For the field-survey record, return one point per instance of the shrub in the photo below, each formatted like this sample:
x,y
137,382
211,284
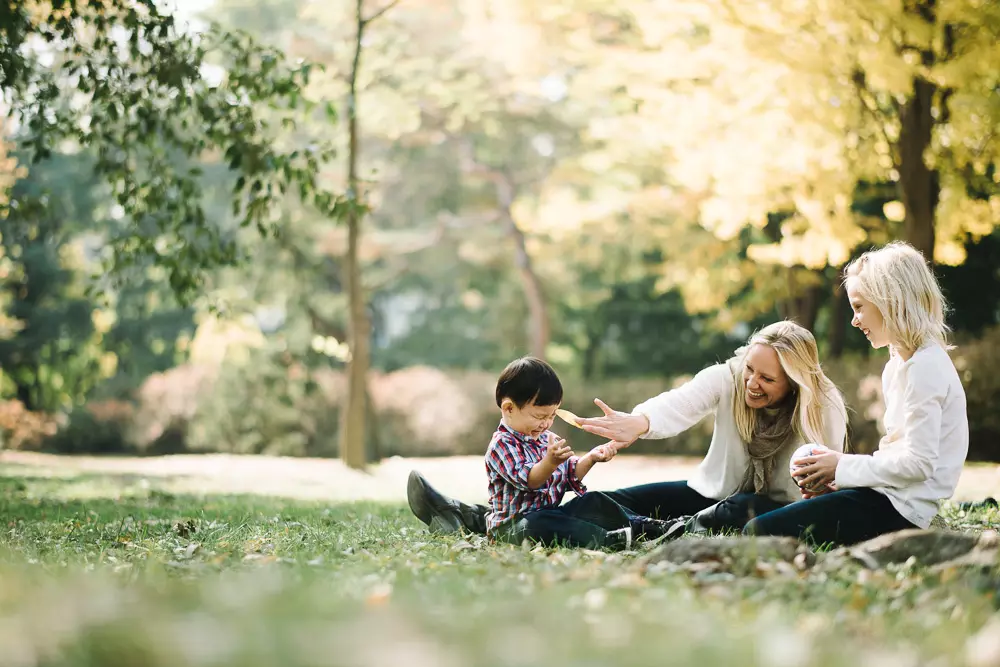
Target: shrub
x,y
22,429
96,428
267,405
978,364
167,405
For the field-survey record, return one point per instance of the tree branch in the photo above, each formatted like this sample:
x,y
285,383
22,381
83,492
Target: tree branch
x,y
379,13
861,86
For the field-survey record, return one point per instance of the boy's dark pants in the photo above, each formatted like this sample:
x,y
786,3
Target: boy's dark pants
x,y
584,521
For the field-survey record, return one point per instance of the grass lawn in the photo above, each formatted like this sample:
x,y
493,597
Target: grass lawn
x,y
119,574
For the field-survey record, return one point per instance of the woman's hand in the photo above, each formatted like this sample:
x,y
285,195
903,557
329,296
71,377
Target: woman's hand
x,y
817,473
614,425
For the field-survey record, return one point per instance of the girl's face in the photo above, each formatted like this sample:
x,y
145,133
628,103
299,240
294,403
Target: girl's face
x,y
765,379
867,316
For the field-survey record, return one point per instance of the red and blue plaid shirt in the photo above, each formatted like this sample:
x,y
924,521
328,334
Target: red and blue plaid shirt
x,y
509,459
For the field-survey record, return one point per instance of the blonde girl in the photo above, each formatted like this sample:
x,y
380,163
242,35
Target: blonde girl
x,y
898,304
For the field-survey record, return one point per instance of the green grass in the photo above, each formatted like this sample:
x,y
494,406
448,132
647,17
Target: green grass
x,y
99,570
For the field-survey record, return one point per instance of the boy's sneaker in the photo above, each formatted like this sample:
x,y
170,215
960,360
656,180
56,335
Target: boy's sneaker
x,y
620,540
437,511
651,529
441,513
675,529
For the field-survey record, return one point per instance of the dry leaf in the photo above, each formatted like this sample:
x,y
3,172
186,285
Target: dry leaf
x,y
379,595
185,528
568,417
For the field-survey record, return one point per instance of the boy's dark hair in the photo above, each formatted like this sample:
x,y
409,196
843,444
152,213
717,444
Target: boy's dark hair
x,y
529,380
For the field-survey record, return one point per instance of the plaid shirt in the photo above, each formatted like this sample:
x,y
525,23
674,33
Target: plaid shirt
x,y
509,459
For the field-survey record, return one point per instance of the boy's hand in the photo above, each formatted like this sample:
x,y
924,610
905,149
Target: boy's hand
x,y
603,453
557,451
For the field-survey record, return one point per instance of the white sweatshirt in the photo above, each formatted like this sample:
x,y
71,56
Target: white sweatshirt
x,y
919,461
723,468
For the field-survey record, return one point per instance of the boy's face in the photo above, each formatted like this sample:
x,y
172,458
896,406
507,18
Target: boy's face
x,y
531,420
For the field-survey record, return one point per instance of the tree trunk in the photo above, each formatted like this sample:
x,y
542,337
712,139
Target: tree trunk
x,y
919,188
538,319
590,356
352,423
374,450
839,318
804,307
538,312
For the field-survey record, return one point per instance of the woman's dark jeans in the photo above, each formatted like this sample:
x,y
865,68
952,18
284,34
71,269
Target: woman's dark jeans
x,y
675,500
586,521
842,517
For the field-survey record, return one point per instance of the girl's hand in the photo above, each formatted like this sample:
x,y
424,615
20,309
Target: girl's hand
x,y
614,425
830,488
817,473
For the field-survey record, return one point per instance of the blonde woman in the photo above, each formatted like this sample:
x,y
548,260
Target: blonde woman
x,y
771,397
898,304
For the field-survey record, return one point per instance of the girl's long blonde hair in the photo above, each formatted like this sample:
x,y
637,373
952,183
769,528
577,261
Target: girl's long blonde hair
x,y
897,280
814,391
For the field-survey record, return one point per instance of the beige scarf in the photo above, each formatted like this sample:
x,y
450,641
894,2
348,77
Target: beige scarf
x,y
774,430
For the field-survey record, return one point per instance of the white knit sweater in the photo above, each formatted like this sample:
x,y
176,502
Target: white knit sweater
x,y
722,470
919,461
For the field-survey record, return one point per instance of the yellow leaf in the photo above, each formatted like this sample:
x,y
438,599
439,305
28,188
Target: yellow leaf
x,y
568,417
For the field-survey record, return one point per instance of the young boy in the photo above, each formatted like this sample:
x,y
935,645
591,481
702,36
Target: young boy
x,y
530,469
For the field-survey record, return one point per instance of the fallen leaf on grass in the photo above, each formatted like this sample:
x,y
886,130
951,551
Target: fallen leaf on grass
x,y
628,580
258,545
185,527
379,595
260,558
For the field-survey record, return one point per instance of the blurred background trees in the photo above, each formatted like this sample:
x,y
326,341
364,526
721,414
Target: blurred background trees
x,y
627,189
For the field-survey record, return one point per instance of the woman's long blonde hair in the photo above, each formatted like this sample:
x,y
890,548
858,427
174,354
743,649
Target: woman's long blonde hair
x,y
814,392
897,280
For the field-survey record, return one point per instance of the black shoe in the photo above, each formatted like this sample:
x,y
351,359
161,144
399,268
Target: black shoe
x,y
653,529
648,529
442,515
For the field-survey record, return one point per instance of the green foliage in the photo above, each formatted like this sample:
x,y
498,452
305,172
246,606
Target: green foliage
x,y
269,405
70,342
55,360
144,107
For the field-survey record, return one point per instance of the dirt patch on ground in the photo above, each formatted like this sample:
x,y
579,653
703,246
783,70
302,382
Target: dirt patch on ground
x,y
327,479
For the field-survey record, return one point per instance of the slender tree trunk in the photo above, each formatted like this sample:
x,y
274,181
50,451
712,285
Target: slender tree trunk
x,y
538,312
839,318
352,423
919,188
803,308
538,320
590,356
